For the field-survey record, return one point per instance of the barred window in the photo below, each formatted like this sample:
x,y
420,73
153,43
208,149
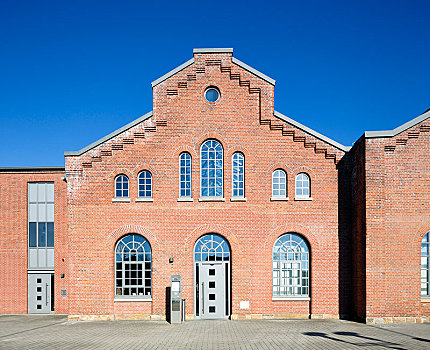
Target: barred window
x,y
290,266
145,184
211,169
303,186
121,186
133,270
425,265
238,175
185,175
279,184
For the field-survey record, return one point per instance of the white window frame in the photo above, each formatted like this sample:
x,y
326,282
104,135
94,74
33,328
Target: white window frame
x,y
278,196
299,186
190,181
209,197
240,171
122,186
144,179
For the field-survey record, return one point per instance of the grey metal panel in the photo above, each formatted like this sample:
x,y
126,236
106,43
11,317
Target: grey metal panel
x,y
111,135
41,192
172,72
50,257
32,257
213,296
312,132
214,50
41,212
32,192
50,212
41,252
253,71
50,192
32,212
399,129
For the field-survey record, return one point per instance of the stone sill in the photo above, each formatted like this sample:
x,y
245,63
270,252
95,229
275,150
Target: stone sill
x,y
144,199
238,199
279,199
121,300
211,199
118,199
425,300
291,298
303,199
185,199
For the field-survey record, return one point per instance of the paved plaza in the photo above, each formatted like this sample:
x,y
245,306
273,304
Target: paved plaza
x,y
55,332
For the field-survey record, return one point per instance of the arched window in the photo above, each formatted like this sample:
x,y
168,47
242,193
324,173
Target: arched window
x,y
133,270
279,184
211,247
290,266
303,186
145,184
211,169
185,175
425,265
121,186
238,167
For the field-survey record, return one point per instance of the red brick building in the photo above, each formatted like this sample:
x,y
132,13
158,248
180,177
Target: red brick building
x,y
262,217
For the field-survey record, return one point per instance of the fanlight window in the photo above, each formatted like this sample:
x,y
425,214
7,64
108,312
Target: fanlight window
x,y
238,175
211,169
425,266
185,175
145,184
211,247
303,187
279,184
290,266
121,186
133,270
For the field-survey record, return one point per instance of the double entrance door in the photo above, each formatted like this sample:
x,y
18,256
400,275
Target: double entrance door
x,y
40,293
213,290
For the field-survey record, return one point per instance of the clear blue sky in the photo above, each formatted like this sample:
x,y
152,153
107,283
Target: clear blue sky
x,y
73,71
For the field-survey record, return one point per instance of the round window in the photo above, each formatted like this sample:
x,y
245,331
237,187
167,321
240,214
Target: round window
x,y
212,94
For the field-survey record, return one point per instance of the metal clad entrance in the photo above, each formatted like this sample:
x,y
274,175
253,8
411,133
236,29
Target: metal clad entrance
x,y
40,293
212,278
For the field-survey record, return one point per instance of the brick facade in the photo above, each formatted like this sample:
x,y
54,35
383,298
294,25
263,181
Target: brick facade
x,y
355,223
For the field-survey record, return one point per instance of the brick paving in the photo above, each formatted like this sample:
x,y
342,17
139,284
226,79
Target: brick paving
x,y
55,332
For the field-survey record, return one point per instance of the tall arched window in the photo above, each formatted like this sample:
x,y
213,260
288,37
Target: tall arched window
x,y
145,184
290,266
121,186
133,270
211,169
238,167
279,184
303,186
185,175
425,266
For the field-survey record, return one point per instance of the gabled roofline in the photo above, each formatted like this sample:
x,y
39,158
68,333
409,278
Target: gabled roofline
x,y
172,72
108,137
214,50
312,132
253,71
399,129
31,169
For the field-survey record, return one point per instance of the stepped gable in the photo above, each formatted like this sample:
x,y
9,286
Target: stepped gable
x,y
175,83
402,136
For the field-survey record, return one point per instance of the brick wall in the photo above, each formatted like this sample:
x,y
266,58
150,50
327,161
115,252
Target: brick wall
x,y
14,241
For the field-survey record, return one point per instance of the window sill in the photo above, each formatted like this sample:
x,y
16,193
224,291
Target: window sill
x,y
116,300
274,199
185,199
211,199
298,198
144,199
119,199
291,298
238,199
425,299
